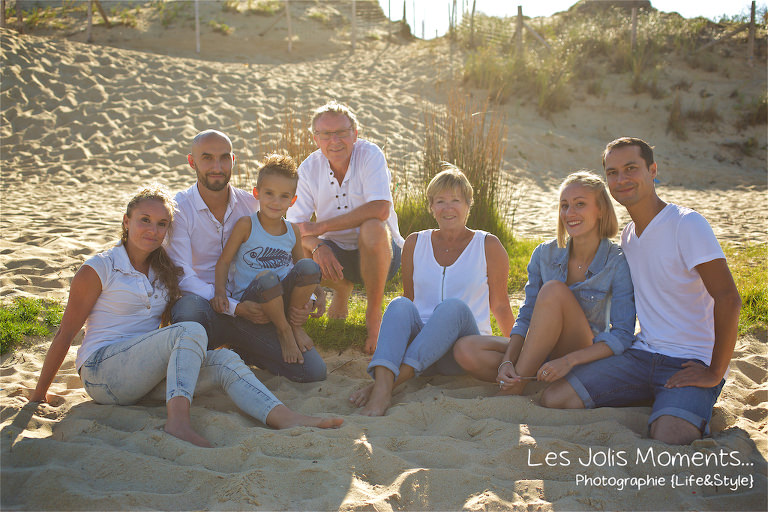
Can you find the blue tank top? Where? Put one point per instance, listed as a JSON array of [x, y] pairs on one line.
[[262, 251]]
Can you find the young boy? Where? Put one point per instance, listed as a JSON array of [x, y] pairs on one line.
[[264, 247]]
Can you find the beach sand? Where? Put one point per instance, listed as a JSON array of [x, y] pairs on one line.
[[83, 125]]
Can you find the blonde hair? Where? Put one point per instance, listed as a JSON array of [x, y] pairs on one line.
[[451, 177], [608, 224], [336, 108], [158, 260]]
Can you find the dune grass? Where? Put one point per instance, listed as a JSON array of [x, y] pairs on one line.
[[23, 317]]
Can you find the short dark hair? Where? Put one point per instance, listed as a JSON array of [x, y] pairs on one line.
[[646, 150], [276, 164]]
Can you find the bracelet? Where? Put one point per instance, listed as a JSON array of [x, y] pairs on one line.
[[502, 364], [316, 248]]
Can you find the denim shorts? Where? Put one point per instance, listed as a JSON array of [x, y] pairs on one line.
[[350, 260], [636, 376]]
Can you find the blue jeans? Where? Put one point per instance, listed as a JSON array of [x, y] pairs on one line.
[[405, 339], [257, 344], [122, 373], [637, 375], [267, 285]]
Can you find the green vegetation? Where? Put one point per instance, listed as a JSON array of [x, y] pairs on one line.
[[25, 316], [220, 27], [582, 44], [748, 266], [755, 113], [264, 7]]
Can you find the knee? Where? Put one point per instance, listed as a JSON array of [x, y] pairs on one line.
[[308, 272], [315, 369], [373, 234], [560, 395], [266, 279], [401, 306], [192, 335], [190, 308], [453, 307], [230, 366], [464, 352], [673, 430], [552, 290]]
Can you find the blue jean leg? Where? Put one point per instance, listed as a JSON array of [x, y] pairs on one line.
[[399, 325], [638, 375], [266, 286], [404, 339], [123, 372], [257, 344]]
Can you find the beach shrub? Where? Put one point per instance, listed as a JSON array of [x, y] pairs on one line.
[[755, 113], [25, 316], [264, 7], [676, 119], [747, 264], [220, 27]]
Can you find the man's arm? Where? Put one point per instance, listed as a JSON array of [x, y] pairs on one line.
[[180, 251], [718, 280], [378, 209]]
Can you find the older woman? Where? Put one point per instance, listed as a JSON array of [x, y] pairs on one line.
[[453, 277], [121, 295], [579, 304]]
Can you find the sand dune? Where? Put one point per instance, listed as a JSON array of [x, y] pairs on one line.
[[84, 125]]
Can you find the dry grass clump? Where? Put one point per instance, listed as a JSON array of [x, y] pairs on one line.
[[676, 119], [755, 113]]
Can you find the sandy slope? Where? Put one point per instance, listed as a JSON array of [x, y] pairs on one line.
[[84, 125]]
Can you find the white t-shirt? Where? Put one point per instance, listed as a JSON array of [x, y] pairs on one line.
[[196, 240], [129, 304], [366, 180], [674, 309], [466, 279]]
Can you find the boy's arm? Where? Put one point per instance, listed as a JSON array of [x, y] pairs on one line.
[[718, 280], [297, 252], [240, 234]]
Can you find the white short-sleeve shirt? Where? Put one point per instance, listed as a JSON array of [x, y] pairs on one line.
[[674, 308], [367, 179]]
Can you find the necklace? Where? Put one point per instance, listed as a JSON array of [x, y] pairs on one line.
[[461, 244]]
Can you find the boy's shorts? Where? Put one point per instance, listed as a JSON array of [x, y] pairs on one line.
[[636, 376], [350, 261]]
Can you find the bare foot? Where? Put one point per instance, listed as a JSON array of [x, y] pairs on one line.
[[360, 397], [185, 432], [339, 307], [282, 417], [291, 352], [379, 401], [373, 323], [303, 340]]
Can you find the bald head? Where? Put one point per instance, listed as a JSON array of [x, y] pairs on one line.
[[205, 134]]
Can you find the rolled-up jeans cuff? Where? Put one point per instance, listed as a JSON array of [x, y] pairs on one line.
[[389, 365], [580, 390]]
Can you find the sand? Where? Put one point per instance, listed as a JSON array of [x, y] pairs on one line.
[[84, 125]]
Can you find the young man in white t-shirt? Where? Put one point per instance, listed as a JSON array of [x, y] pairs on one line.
[[687, 306], [354, 237]]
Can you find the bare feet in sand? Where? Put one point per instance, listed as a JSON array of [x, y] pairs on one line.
[[186, 433], [360, 397], [291, 352], [179, 425], [339, 307], [282, 417], [378, 401], [303, 340]]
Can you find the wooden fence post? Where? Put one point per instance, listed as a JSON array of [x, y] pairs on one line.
[[103, 13], [290, 28], [2, 13], [634, 28], [354, 25], [472, 26], [519, 33], [751, 40], [197, 27], [89, 26]]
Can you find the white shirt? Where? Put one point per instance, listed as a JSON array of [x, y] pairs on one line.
[[674, 309], [367, 179], [466, 279], [197, 239], [130, 304]]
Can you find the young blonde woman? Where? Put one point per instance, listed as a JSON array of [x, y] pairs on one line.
[[579, 304], [121, 295], [453, 278]]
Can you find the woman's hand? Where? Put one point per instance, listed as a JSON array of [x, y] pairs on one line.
[[507, 375], [555, 369], [220, 303]]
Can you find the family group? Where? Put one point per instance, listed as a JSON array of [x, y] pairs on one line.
[[232, 277]]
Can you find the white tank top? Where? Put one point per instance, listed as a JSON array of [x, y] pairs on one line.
[[466, 279]]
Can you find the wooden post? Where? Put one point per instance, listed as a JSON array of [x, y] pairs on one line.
[[290, 28], [389, 19], [354, 24], [472, 26], [197, 27], [634, 28], [2, 13], [89, 26], [103, 13], [19, 18], [751, 40], [519, 33]]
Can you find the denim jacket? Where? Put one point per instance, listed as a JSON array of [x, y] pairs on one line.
[[608, 284]]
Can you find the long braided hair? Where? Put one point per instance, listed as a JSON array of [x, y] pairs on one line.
[[165, 271]]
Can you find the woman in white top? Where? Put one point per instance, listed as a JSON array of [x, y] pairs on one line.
[[121, 296], [453, 277]]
